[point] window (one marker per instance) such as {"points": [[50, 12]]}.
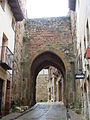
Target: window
{"points": [[2, 3], [13, 23], [88, 41], [80, 59], [4, 43], [85, 87], [4, 40], [49, 90], [52, 90], [84, 44], [8, 84]]}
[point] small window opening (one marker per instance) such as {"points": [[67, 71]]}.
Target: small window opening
{"points": [[2, 3], [13, 24], [87, 27]]}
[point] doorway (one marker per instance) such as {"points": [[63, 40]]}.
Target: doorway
{"points": [[7, 104], [1, 85]]}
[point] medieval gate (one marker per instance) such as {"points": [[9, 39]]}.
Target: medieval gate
{"points": [[48, 41]]}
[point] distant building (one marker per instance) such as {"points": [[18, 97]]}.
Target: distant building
{"points": [[10, 14], [55, 85], [41, 86]]}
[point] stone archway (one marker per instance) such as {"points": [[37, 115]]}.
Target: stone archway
{"points": [[41, 61], [51, 36]]}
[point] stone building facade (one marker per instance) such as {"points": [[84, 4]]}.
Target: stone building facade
{"points": [[18, 82], [55, 85], [83, 42], [18, 79], [42, 87], [47, 42], [8, 19], [81, 19]]}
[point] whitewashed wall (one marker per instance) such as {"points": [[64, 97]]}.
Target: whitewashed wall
{"points": [[83, 14], [6, 26]]}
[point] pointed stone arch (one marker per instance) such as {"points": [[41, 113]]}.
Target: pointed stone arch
{"points": [[45, 59]]}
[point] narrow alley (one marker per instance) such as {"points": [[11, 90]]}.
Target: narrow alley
{"points": [[44, 60], [45, 111]]}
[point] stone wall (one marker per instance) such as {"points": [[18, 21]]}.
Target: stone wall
{"points": [[50, 34], [56, 86], [17, 73], [41, 88], [53, 34], [75, 53], [18, 79], [82, 24]]}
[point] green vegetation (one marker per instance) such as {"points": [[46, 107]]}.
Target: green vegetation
{"points": [[78, 108], [25, 38], [19, 101]]}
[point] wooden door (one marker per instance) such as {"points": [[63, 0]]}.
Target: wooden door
{"points": [[1, 84], [7, 102]]}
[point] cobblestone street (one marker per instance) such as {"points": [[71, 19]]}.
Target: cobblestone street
{"points": [[44, 111]]}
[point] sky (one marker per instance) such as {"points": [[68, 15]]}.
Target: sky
{"points": [[46, 8]]}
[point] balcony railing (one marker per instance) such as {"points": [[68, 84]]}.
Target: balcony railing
{"points": [[6, 58]]}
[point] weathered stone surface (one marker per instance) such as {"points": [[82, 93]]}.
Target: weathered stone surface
{"points": [[48, 33], [42, 38], [41, 88], [45, 42], [17, 75]]}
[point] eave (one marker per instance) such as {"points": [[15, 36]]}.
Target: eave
{"points": [[16, 9]]}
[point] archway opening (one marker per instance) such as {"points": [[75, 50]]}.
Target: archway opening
{"points": [[51, 62], [42, 86]]}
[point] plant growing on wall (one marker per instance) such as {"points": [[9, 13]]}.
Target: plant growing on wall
{"points": [[25, 38]]}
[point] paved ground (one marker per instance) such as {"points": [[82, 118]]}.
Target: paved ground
{"points": [[45, 111], [75, 116]]}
